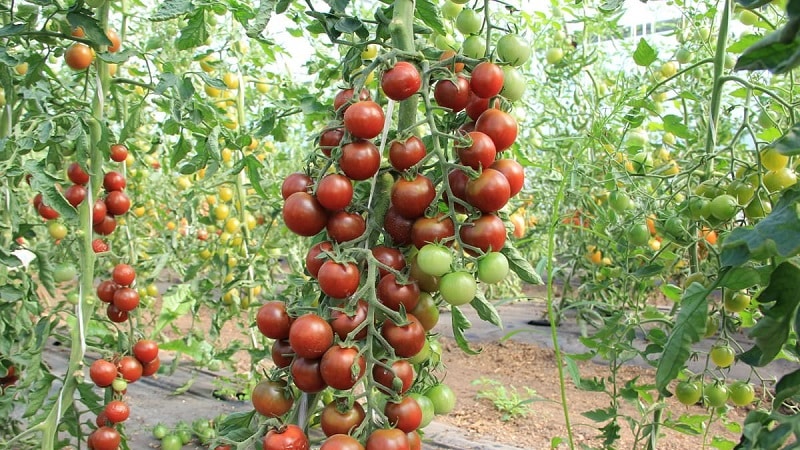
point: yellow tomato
(171, 225)
(225, 193)
(21, 68)
(184, 182)
(370, 51)
(211, 91)
(232, 225)
(205, 253)
(211, 199)
(221, 212)
(772, 160)
(226, 154)
(231, 80)
(250, 221)
(206, 63)
(139, 211)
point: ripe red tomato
(273, 321)
(282, 353)
(99, 246)
(476, 106)
(117, 411)
(106, 290)
(102, 372)
(395, 378)
(412, 197)
(407, 340)
(397, 226)
(338, 280)
(310, 336)
(405, 414)
(478, 153)
(388, 439)
(286, 437)
(313, 260)
(341, 442)
(393, 294)
(145, 350)
(37, 200)
(427, 230)
(343, 323)
(338, 417)
(272, 398)
(414, 441)
(334, 191)
(404, 155)
(105, 438)
(344, 96)
(114, 181)
(119, 152)
(126, 299)
(401, 81)
(99, 211)
(123, 274)
(489, 192)
(364, 119)
(47, 212)
(78, 56)
(130, 368)
(514, 173)
(330, 139)
(486, 80)
(306, 375)
(76, 174)
(360, 160)
(498, 125)
(117, 203)
(458, 180)
(75, 194)
(454, 96)
(337, 365)
(295, 182)
(115, 314)
(151, 367)
(390, 257)
(106, 226)
(303, 214)
(344, 226)
(487, 232)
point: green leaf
(253, 168)
(259, 23)
(789, 143)
(461, 323)
(671, 291)
(170, 9)
(674, 124)
(744, 43)
(45, 272)
(429, 14)
(753, 4)
(778, 52)
(175, 303)
(644, 55)
(778, 303)
(520, 265)
(600, 414)
(195, 33)
(787, 387)
(486, 311)
(91, 27)
(690, 325)
(12, 29)
(777, 234)
(42, 181)
(740, 278)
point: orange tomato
(709, 235)
(651, 224)
(79, 56)
(519, 225)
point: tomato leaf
(674, 124)
(644, 55)
(461, 323)
(778, 303)
(789, 143)
(519, 265)
(778, 52)
(91, 27)
(787, 387)
(170, 9)
(258, 24)
(600, 414)
(195, 32)
(12, 29)
(744, 43)
(777, 234)
(690, 325)
(486, 311)
(253, 168)
(740, 278)
(429, 14)
(767, 431)
(176, 302)
(584, 384)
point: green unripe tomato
(742, 393)
(736, 301)
(493, 267)
(722, 355)
(716, 394)
(724, 207)
(458, 288)
(469, 22)
(511, 48)
(450, 9)
(688, 392)
(513, 84)
(445, 42)
(474, 47)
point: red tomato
(397, 226)
(344, 96)
(119, 152)
(338, 280)
(76, 174)
(395, 378)
(393, 294)
(296, 182)
(126, 299)
(401, 81)
(116, 43)
(476, 106)
(337, 365)
(427, 230)
(303, 214)
(145, 350)
(102, 372)
(105, 438)
(115, 314)
(478, 153)
(498, 125)
(130, 368)
(341, 442)
(272, 398)
(273, 321)
(414, 441)
(489, 192)
(390, 257)
(123, 274)
(151, 367)
(75, 194)
(282, 353)
(364, 119)
(114, 181)
(343, 323)
(287, 437)
(117, 203)
(404, 155)
(47, 212)
(488, 233)
(360, 160)
(117, 411)
(99, 246)
(388, 439)
(313, 259)
(306, 375)
(106, 226)
(106, 290)
(405, 414)
(330, 139)
(334, 191)
(344, 226)
(310, 336)
(458, 180)
(411, 198)
(407, 340)
(514, 173)
(338, 417)
(486, 80)
(454, 96)
(99, 211)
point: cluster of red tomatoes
(382, 267)
(116, 374)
